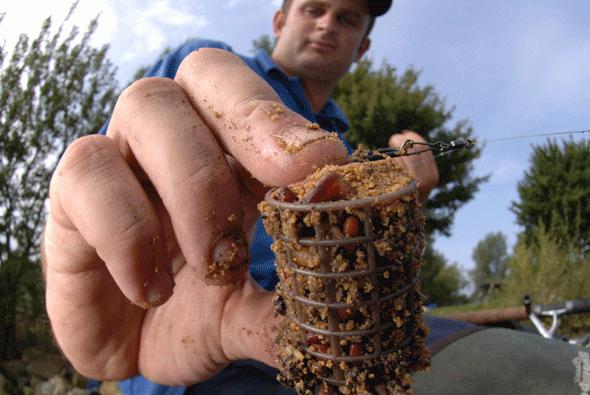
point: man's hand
(137, 217)
(421, 166)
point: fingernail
(159, 288)
(229, 259)
(293, 139)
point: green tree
(264, 42)
(550, 271)
(379, 103)
(53, 89)
(555, 192)
(490, 256)
(440, 281)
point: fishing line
(528, 136)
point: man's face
(320, 39)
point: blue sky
(512, 67)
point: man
(137, 216)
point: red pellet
(344, 314)
(327, 189)
(286, 195)
(351, 227)
(323, 348)
(312, 338)
(355, 350)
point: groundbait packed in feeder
(348, 242)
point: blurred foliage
(53, 89)
(441, 282)
(550, 271)
(555, 192)
(490, 256)
(551, 260)
(264, 42)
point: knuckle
(145, 91)
(85, 154)
(134, 227)
(247, 108)
(210, 177)
(203, 58)
(257, 107)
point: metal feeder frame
(333, 333)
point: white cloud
(137, 30)
(26, 16)
(153, 25)
(167, 14)
(231, 4)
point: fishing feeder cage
(349, 288)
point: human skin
(421, 166)
(136, 217)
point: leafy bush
(550, 272)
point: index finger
(276, 145)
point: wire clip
(437, 148)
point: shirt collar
(266, 62)
(330, 109)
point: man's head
(376, 8)
(320, 39)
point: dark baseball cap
(378, 7)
